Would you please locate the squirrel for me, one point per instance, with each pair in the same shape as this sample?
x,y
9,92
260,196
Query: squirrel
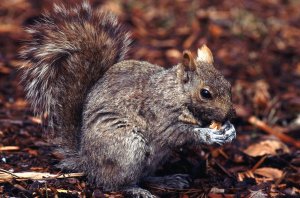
x,y
117,120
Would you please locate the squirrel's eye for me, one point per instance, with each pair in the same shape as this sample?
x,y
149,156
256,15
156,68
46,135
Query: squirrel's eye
x,y
205,94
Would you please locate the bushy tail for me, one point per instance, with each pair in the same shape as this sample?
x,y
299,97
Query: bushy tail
x,y
70,49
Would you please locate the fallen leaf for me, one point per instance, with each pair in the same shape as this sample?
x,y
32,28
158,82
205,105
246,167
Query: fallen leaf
x,y
31,151
267,147
269,172
215,30
261,96
173,54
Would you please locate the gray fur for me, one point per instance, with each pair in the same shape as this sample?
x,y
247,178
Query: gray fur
x,y
56,86
117,120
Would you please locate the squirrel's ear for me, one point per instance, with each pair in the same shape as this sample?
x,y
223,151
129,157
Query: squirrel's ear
x,y
204,55
188,61
187,64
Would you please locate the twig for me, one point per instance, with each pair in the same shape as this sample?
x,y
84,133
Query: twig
x,y
279,180
9,148
60,190
259,163
223,169
223,153
32,120
8,172
263,126
9,121
6,176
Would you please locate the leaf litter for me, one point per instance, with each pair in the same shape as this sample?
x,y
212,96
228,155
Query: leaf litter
x,y
255,45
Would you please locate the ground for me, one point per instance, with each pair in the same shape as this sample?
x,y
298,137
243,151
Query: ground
x,y
255,45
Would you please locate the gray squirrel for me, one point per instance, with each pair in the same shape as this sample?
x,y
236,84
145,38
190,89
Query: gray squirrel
x,y
117,120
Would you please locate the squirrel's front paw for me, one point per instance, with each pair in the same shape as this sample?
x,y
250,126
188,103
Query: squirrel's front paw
x,y
229,131
210,136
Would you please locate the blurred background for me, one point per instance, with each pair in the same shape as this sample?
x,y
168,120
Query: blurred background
x,y
255,44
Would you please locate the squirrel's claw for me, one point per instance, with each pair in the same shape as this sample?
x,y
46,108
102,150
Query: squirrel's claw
x,y
210,136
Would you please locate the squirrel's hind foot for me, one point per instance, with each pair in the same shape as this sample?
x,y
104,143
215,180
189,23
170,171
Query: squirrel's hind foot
x,y
137,192
176,181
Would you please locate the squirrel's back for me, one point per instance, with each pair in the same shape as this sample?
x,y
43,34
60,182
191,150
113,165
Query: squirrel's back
x,y
69,45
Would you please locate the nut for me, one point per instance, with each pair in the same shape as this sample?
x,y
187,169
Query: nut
x,y
215,125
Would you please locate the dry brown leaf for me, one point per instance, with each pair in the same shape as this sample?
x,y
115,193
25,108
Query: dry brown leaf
x,y
185,196
173,54
32,152
4,69
261,96
113,7
242,111
267,147
215,30
269,172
